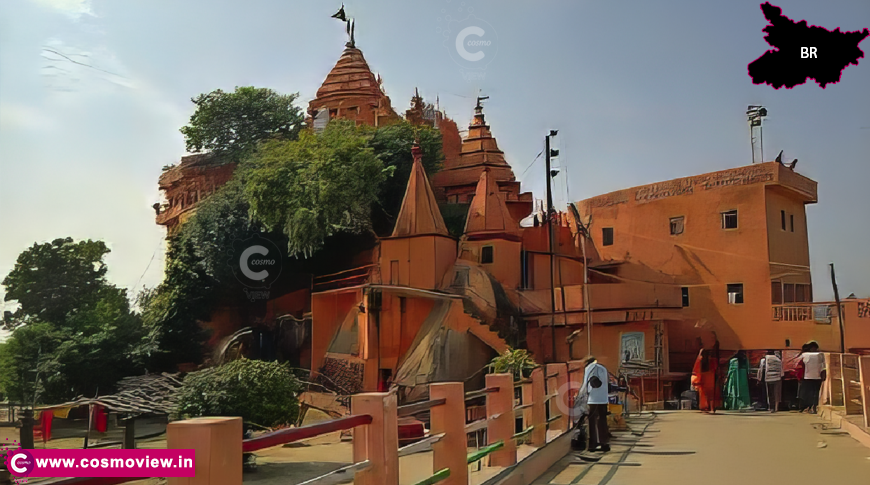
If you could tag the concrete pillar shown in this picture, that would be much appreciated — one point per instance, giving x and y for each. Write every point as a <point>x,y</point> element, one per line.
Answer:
<point>449,418</point>
<point>501,404</point>
<point>25,434</point>
<point>533,392</point>
<point>130,433</point>
<point>377,442</point>
<point>557,382</point>
<point>218,445</point>
<point>864,376</point>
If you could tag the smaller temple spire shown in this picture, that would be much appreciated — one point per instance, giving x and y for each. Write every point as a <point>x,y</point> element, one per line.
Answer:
<point>488,212</point>
<point>420,214</point>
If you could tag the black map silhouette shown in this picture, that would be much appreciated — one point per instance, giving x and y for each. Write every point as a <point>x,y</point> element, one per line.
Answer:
<point>784,65</point>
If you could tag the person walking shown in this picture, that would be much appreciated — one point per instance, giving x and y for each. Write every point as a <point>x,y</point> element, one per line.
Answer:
<point>737,382</point>
<point>704,381</point>
<point>770,372</point>
<point>814,374</point>
<point>595,381</point>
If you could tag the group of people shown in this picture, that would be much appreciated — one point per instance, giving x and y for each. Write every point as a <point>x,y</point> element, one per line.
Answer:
<point>810,371</point>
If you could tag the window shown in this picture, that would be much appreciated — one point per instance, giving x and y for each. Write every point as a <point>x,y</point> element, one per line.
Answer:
<point>791,218</point>
<point>735,293</point>
<point>685,291</point>
<point>803,293</point>
<point>729,219</point>
<point>486,255</point>
<point>402,304</point>
<point>788,292</point>
<point>776,292</point>
<point>677,225</point>
<point>782,218</point>
<point>607,236</point>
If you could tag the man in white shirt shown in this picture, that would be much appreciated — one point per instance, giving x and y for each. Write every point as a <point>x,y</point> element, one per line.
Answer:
<point>770,370</point>
<point>595,381</point>
<point>814,374</point>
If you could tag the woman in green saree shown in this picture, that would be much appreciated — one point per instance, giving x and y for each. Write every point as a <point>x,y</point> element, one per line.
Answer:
<point>737,382</point>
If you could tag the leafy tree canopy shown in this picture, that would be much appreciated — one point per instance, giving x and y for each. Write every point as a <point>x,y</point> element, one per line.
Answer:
<point>263,393</point>
<point>233,123</point>
<point>52,281</point>
<point>315,187</point>
<point>74,332</point>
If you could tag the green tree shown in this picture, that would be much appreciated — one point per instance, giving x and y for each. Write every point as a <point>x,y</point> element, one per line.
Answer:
<point>52,281</point>
<point>233,123</point>
<point>392,144</point>
<point>74,332</point>
<point>313,188</point>
<point>264,393</point>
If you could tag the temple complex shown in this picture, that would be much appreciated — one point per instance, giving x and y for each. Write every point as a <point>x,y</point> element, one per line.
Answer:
<point>644,277</point>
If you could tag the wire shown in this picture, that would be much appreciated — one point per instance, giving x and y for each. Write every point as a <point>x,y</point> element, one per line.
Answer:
<point>159,244</point>
<point>533,162</point>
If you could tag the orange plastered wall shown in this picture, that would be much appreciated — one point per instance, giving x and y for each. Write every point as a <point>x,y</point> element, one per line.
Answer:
<point>399,325</point>
<point>606,342</point>
<point>505,266</point>
<point>328,310</point>
<point>422,261</point>
<point>787,246</point>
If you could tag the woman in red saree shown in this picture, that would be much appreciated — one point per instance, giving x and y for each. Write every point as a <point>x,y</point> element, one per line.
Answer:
<point>704,378</point>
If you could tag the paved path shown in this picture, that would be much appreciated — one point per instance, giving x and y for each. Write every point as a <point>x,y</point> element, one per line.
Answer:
<point>728,449</point>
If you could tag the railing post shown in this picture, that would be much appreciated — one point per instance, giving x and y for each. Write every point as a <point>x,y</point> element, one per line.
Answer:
<point>449,418</point>
<point>864,377</point>
<point>500,413</point>
<point>558,383</point>
<point>218,446</point>
<point>826,396</point>
<point>576,369</point>
<point>377,442</point>
<point>533,393</point>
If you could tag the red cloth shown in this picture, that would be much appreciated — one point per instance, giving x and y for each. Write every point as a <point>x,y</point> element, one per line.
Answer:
<point>709,388</point>
<point>45,424</point>
<point>101,419</point>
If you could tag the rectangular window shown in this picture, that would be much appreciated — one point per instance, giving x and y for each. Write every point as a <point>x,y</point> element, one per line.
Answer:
<point>607,236</point>
<point>735,293</point>
<point>729,219</point>
<point>776,292</point>
<point>803,293</point>
<point>791,218</point>
<point>486,255</point>
<point>782,219</point>
<point>788,292</point>
<point>685,291</point>
<point>677,225</point>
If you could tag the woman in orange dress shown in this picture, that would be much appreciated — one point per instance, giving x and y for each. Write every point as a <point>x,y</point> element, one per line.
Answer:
<point>704,378</point>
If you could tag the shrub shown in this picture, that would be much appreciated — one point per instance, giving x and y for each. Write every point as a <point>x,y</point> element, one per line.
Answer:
<point>263,393</point>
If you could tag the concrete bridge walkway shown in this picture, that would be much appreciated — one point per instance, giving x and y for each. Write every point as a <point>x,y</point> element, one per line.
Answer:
<point>728,449</point>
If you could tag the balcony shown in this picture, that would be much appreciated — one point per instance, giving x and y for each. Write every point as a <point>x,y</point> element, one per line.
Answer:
<point>802,312</point>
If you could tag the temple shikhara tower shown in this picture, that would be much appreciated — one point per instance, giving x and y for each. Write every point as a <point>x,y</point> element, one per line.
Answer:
<point>645,276</point>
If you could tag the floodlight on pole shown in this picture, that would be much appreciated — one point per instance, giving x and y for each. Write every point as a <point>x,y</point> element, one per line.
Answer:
<point>755,114</point>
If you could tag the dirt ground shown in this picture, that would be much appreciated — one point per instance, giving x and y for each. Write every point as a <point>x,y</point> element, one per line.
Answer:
<point>728,448</point>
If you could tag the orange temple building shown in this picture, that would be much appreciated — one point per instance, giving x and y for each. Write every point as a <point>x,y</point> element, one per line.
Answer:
<point>669,267</point>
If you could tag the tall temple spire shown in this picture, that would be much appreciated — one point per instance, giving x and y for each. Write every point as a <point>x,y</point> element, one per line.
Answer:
<point>420,214</point>
<point>488,213</point>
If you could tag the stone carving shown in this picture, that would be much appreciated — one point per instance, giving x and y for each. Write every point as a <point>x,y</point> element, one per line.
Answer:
<point>864,309</point>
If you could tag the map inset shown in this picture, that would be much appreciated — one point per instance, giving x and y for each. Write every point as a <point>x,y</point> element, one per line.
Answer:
<point>802,51</point>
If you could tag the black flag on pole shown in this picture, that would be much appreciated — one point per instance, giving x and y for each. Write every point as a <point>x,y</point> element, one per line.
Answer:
<point>340,14</point>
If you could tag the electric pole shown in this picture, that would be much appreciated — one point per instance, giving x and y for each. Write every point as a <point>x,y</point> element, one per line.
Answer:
<point>550,229</point>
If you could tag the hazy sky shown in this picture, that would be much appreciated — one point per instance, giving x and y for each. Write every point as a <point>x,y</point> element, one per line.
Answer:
<point>640,91</point>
